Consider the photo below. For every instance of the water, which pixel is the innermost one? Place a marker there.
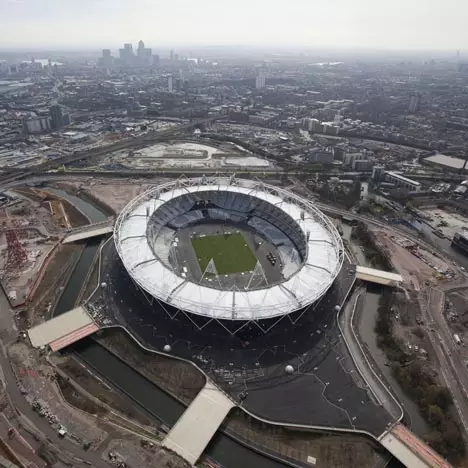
(68, 298)
(444, 244)
(366, 325)
(94, 214)
(355, 247)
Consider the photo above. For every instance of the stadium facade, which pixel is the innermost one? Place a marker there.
(234, 251)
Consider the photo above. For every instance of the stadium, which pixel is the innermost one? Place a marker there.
(229, 251)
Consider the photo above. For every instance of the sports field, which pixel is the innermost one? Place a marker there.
(230, 253)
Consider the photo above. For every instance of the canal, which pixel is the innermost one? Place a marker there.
(365, 324)
(143, 393)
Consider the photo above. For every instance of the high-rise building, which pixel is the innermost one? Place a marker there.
(141, 51)
(35, 125)
(128, 50)
(126, 54)
(349, 159)
(170, 84)
(260, 80)
(378, 173)
(56, 117)
(106, 58)
(414, 103)
(143, 54)
(172, 55)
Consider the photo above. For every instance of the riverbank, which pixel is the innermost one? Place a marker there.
(337, 450)
(417, 379)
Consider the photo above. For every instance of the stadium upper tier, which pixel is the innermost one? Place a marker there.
(146, 231)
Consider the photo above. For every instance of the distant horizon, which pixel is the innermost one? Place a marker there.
(397, 25)
(185, 48)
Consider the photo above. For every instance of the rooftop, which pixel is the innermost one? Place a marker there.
(443, 160)
(322, 262)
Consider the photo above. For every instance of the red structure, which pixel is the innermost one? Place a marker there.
(17, 256)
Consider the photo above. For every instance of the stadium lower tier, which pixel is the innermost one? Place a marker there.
(159, 324)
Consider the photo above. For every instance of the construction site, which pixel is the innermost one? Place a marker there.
(185, 154)
(31, 222)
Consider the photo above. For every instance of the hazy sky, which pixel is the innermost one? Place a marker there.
(391, 24)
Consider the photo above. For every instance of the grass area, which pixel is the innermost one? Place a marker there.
(230, 253)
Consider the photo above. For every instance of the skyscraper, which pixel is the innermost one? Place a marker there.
(56, 117)
(141, 51)
(170, 85)
(126, 54)
(128, 50)
(143, 54)
(260, 80)
(415, 102)
(106, 58)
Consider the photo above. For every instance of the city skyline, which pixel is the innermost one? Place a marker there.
(412, 25)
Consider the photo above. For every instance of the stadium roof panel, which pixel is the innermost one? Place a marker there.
(324, 255)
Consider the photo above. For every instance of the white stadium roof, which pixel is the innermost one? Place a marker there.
(324, 255)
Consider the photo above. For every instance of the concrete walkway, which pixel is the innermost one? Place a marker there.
(410, 450)
(90, 231)
(195, 428)
(375, 384)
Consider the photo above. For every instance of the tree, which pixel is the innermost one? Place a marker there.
(435, 415)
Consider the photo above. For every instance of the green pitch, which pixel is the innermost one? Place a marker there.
(230, 253)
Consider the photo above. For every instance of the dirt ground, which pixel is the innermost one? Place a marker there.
(457, 315)
(19, 280)
(37, 382)
(50, 211)
(38, 219)
(172, 375)
(137, 455)
(447, 220)
(45, 294)
(414, 270)
(330, 450)
(98, 388)
(114, 193)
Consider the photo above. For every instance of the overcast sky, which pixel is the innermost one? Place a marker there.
(370, 24)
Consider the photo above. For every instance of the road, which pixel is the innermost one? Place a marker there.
(381, 393)
(150, 137)
(25, 410)
(29, 417)
(451, 362)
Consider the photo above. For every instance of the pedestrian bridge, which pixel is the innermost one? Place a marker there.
(63, 330)
(372, 275)
(195, 428)
(409, 450)
(91, 230)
